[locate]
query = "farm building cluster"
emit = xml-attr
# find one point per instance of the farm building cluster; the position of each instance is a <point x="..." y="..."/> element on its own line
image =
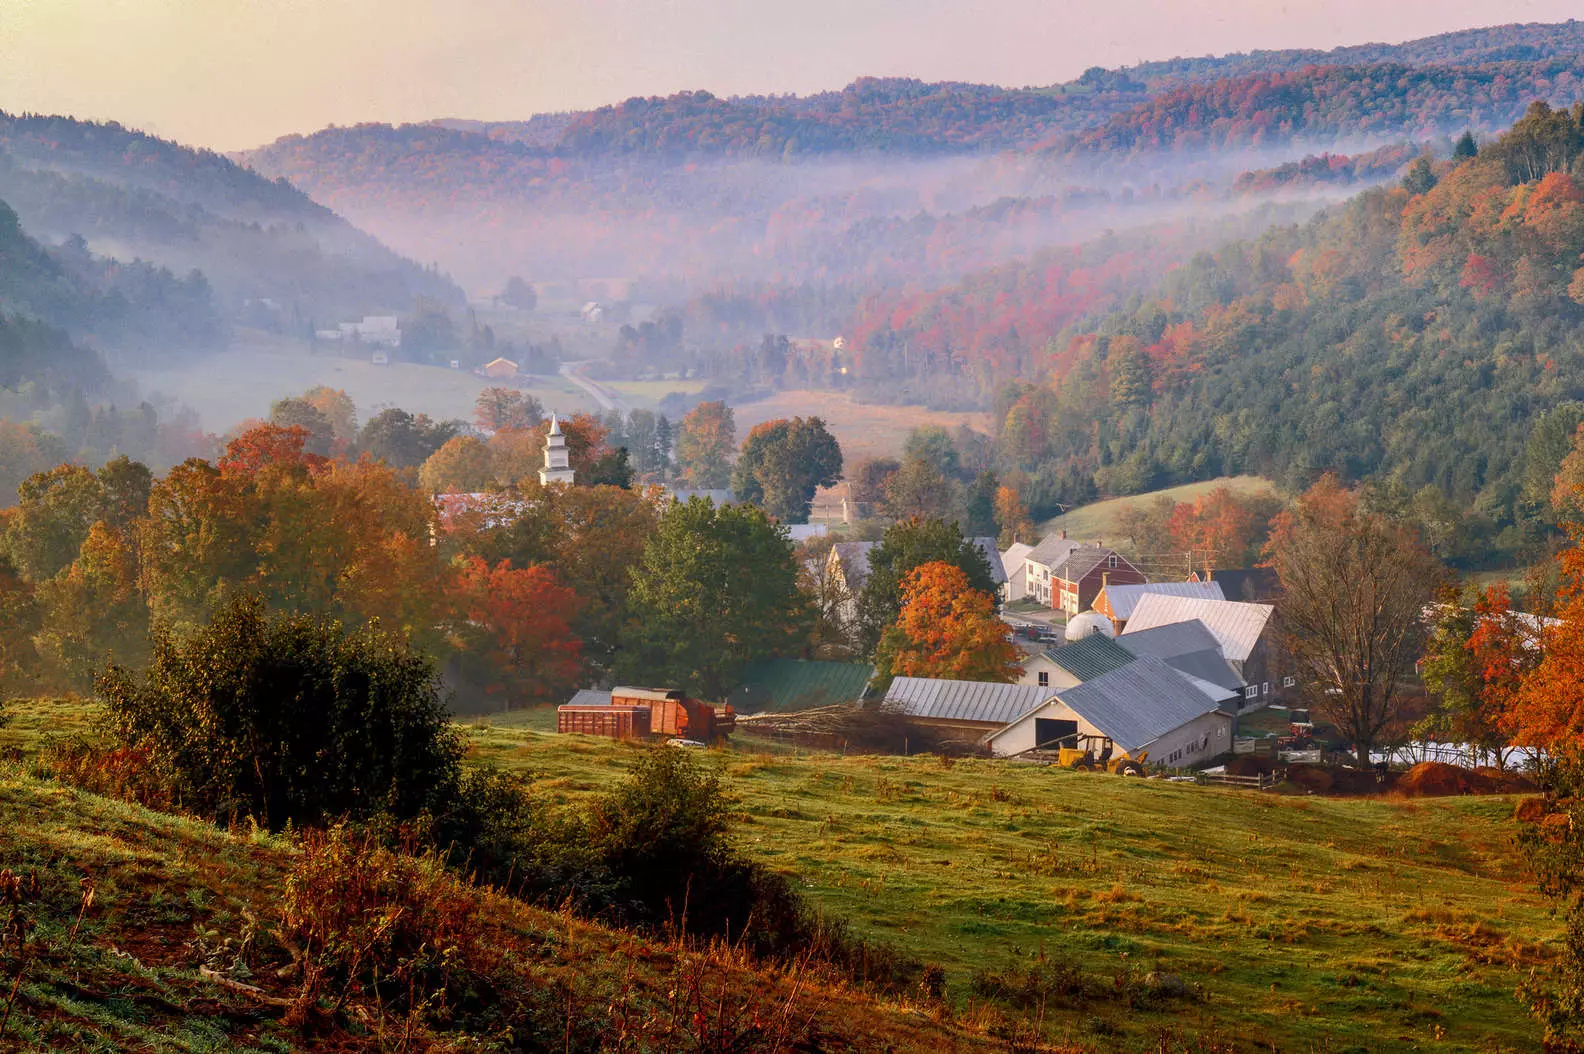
<point x="1141" y="672"/>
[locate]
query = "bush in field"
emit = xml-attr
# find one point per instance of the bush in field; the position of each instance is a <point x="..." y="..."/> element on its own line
<point x="288" y="720"/>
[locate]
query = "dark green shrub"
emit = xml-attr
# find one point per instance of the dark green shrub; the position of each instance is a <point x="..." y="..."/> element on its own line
<point x="288" y="719"/>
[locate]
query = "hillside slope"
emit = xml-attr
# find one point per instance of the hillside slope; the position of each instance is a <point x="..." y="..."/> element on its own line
<point x="173" y="953"/>
<point x="272" y="256"/>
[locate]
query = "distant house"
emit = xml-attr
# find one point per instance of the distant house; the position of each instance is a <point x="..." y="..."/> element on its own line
<point x="1244" y="632"/>
<point x="1116" y="601"/>
<point x="1145" y="707"/>
<point x="592" y="311"/>
<point x="499" y="369"/>
<point x="1041" y="561"/>
<point x="783" y="686"/>
<point x="967" y="710"/>
<point x="1251" y="585"/>
<point x="1074" y="663"/>
<point x="1077" y="580"/>
<point x="380" y="358"/>
<point x="1014" y="564"/>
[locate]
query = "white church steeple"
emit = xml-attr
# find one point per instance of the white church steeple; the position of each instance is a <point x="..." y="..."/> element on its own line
<point x="557" y="466"/>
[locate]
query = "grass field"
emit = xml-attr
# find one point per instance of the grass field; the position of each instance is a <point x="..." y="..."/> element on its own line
<point x="1310" y="923"/>
<point x="862" y="429"/>
<point x="240" y="383"/>
<point x="1099" y="520"/>
<point x="647" y="394"/>
<point x="1304" y="924"/>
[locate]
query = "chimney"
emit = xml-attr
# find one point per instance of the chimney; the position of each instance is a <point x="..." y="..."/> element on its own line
<point x="1105" y="579"/>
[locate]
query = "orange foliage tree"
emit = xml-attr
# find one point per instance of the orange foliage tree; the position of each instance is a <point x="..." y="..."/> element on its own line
<point x="947" y="629"/>
<point x="519" y="619"/>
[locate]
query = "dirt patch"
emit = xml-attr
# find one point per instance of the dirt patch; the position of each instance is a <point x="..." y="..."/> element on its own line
<point x="1508" y="782"/>
<point x="1437" y="779"/>
<point x="1250" y="766"/>
<point x="1312" y="778"/>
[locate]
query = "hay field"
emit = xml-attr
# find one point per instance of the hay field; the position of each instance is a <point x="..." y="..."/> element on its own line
<point x="862" y="429"/>
<point x="242" y="382"/>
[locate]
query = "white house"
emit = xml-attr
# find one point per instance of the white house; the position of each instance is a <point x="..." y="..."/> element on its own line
<point x="1014" y="563"/>
<point x="1145" y="708"/>
<point x="1050" y="553"/>
<point x="1074" y="662"/>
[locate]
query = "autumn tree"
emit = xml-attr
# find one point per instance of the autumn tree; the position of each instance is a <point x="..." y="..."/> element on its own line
<point x="904" y="546"/>
<point x="717" y="589"/>
<point x="869" y="479"/>
<point x="403" y="440"/>
<point x="462" y="465"/>
<point x="518" y="621"/>
<point x="1354" y="590"/>
<point x="1476" y="657"/>
<point x="300" y="413"/>
<point x="497" y="409"/>
<point x="1012" y="518"/>
<point x="705" y="444"/>
<point x="783" y="463"/>
<point x="919" y="489"/>
<point x="337" y="408"/>
<point x="92" y="612"/>
<point x="56" y="509"/>
<point x="19" y="620"/>
<point x="946" y="628"/>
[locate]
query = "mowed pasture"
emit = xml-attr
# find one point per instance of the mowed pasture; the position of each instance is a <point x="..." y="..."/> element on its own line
<point x="240" y="384"/>
<point x="1306" y="923"/>
<point x="1298" y="924"/>
<point x="862" y="429"/>
<point x="1101" y="519"/>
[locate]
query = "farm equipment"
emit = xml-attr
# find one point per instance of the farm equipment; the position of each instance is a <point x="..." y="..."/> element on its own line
<point x="1097" y="753"/>
<point x="672" y="713"/>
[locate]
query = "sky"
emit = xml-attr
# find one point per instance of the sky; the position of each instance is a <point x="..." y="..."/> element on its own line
<point x="232" y="74"/>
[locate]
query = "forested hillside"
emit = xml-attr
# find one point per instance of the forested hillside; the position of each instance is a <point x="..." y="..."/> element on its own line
<point x="267" y="254"/>
<point x="1416" y="334"/>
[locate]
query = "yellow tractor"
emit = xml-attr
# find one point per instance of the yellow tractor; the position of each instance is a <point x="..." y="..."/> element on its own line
<point x="1091" y="753"/>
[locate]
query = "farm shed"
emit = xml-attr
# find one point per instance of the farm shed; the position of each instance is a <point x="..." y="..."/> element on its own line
<point x="1187" y="647"/>
<point x="785" y="686"/>
<point x="968" y="708"/>
<point x="1116" y="601"/>
<point x="1146" y="708"/>
<point x="1245" y="632"/>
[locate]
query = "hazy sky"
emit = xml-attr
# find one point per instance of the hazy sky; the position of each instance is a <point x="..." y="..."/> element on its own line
<point x="238" y="73"/>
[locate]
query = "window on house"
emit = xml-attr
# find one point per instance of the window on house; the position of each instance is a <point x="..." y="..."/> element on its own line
<point x="1251" y="692"/>
<point x="1288" y="682"/>
<point x="1111" y="561"/>
<point x="1044" y="679"/>
<point x="1265" y="688"/>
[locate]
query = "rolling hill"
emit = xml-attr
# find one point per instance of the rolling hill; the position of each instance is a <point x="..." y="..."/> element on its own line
<point x="268" y="254"/>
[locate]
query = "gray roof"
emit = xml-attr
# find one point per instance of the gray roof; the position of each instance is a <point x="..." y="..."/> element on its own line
<point x="1090" y="657"/>
<point x="1236" y="626"/>
<point x="1083" y="560"/>
<point x="1187" y="647"/>
<point x="992" y="556"/>
<point x="1052" y="550"/>
<point x="589" y="697"/>
<point x="802" y="532"/>
<point x="978" y="701"/>
<point x="1138" y="703"/>
<point x="1123" y="598"/>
